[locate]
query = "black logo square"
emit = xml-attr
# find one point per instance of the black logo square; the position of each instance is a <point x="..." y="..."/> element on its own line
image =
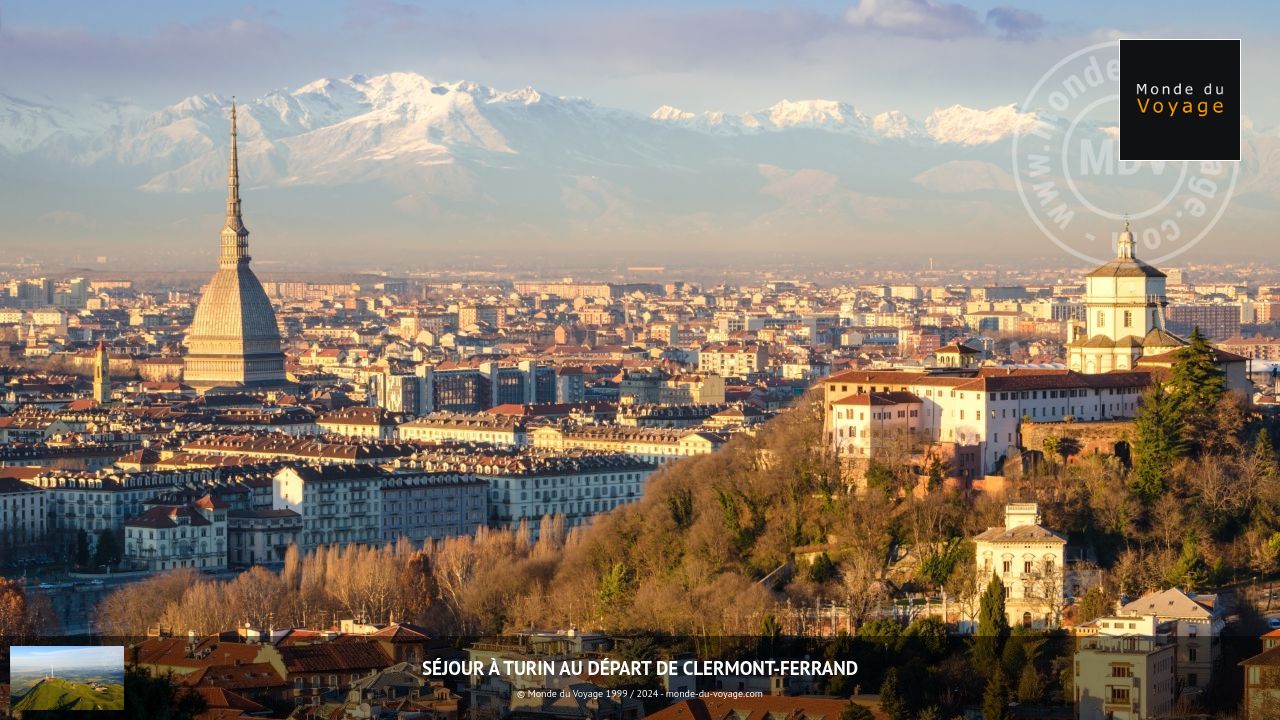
<point x="1179" y="99"/>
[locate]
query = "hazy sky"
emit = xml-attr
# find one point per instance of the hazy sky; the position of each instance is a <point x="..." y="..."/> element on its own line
<point x="61" y="656"/>
<point x="910" y="55"/>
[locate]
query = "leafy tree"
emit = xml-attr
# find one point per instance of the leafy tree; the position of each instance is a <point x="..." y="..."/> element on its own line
<point x="993" y="625"/>
<point x="1159" y="427"/>
<point x="82" y="548"/>
<point x="854" y="711"/>
<point x="108" y="551"/>
<point x="1190" y="571"/>
<point x="995" y="699"/>
<point x="1195" y="376"/>
<point x="156" y="697"/>
<point x="928" y="634"/>
<point x="893" y="700"/>
<point x="822" y="569"/>
<point x="1198" y="384"/>
<point x="615" y="587"/>
<point x="1030" y="687"/>
<point x="1095" y="603"/>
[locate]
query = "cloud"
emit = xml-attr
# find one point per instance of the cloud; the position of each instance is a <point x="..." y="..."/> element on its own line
<point x="1013" y="23"/>
<point x="917" y="18"/>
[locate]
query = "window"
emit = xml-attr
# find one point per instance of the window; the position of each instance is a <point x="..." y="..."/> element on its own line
<point x="1119" y="694"/>
<point x="1102" y="317"/>
<point x="1122" y="671"/>
<point x="1128" y="318"/>
<point x="1008" y="565"/>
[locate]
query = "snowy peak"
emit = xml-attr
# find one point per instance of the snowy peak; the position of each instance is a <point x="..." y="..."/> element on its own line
<point x="968" y="126"/>
<point x="954" y="125"/>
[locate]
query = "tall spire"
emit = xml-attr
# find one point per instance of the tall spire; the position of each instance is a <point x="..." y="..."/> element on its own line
<point x="235" y="236"/>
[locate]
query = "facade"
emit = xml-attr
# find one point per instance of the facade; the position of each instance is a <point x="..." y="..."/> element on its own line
<point x="1124" y="314"/>
<point x="422" y="506"/>
<point x="1125" y="671"/>
<point x="257" y="536"/>
<point x="733" y="359"/>
<point x="975" y="414"/>
<point x="234" y="340"/>
<point x="1197" y="623"/>
<point x="1029" y="560"/>
<point x="339" y="504"/>
<point x="167" y="536"/>
<point x="359" y="422"/>
<point x="23" y="516"/>
<point x="1262" y="680"/>
<point x="576" y="487"/>
<point x="506" y="430"/>
<point x="649" y="444"/>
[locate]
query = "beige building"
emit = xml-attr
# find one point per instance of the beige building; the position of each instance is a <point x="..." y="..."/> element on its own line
<point x="649" y="444"/>
<point x="1197" y="622"/>
<point x="1125" y="671"/>
<point x="1029" y="560"/>
<point x="508" y="430"/>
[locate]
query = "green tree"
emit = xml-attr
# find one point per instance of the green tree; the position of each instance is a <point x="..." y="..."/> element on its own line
<point x="854" y="711"/>
<point x="893" y="701"/>
<point x="993" y="626"/>
<point x="1095" y="603"/>
<point x="82" y="548"/>
<point x="822" y="569"/>
<point x="995" y="699"/>
<point x="158" y="698"/>
<point x="1159" y="427"/>
<point x="1030" y="687"/>
<point x="1190" y="571"/>
<point x="1198" y="384"/>
<point x="108" y="551"/>
<point x="615" y="588"/>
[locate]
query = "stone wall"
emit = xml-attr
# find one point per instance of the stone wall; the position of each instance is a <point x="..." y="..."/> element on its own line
<point x="1111" y="437"/>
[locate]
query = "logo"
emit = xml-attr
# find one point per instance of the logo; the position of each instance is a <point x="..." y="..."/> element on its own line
<point x="1071" y="180"/>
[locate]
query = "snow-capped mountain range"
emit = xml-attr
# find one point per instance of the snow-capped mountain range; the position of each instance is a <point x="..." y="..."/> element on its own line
<point x="357" y="128"/>
<point x="441" y="160"/>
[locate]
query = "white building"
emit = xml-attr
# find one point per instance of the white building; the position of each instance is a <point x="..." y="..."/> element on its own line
<point x="339" y="504"/>
<point x="975" y="413"/>
<point x="1028" y="559"/>
<point x="1125" y="671"/>
<point x="579" y="486"/>
<point x="190" y="535"/>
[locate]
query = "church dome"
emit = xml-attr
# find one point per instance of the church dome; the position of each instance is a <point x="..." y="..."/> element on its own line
<point x="1125" y="263"/>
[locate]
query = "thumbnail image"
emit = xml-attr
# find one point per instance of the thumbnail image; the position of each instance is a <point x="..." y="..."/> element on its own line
<point x="66" y="677"/>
